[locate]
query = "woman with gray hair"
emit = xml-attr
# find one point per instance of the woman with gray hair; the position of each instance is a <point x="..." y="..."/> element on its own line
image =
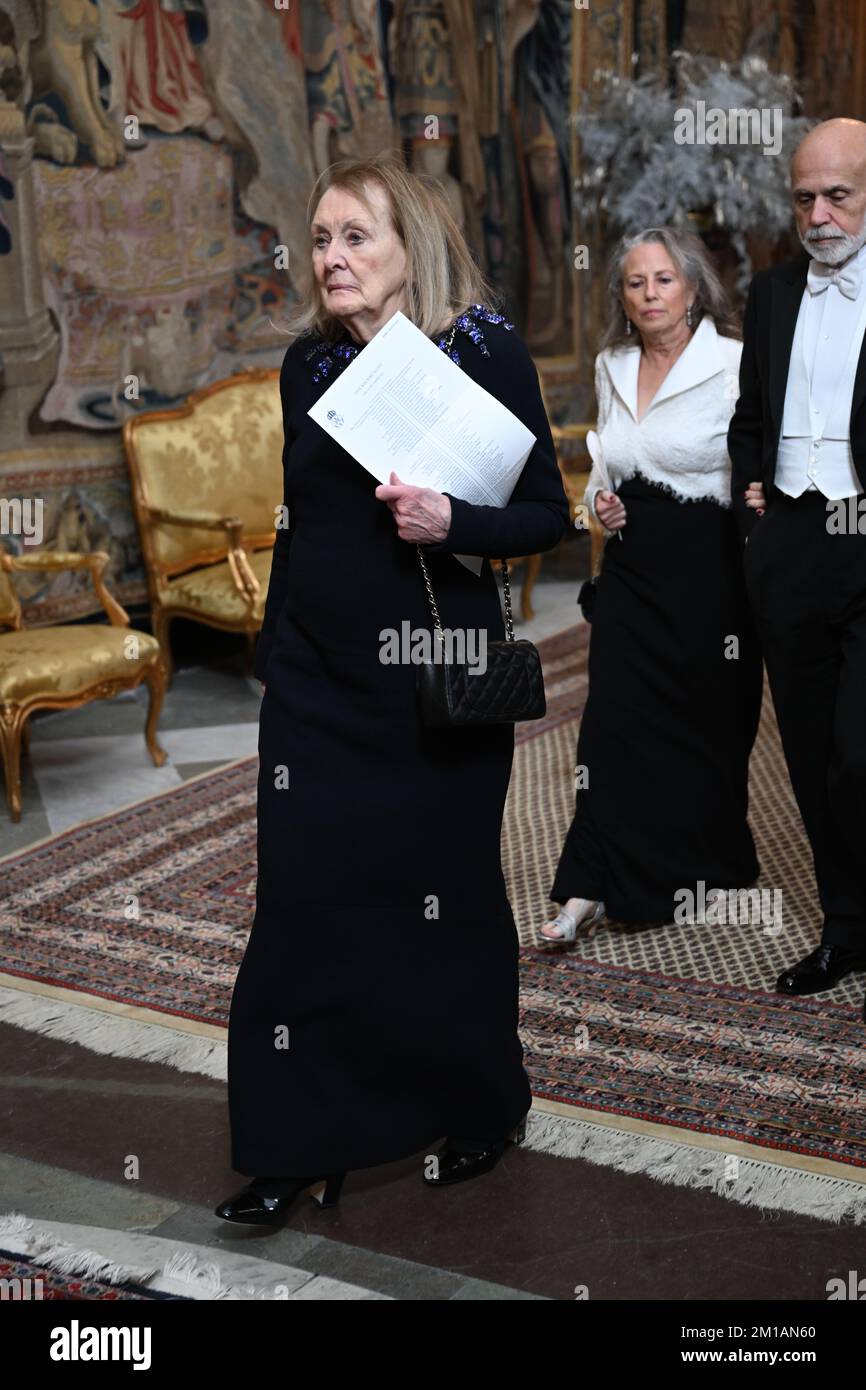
<point x="376" y="1006"/>
<point x="675" y="675"/>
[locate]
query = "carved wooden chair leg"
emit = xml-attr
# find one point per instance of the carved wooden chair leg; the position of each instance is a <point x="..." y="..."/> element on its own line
<point x="155" y="678"/>
<point x="161" y="625"/>
<point x="531" y="567"/>
<point x="10" y="752"/>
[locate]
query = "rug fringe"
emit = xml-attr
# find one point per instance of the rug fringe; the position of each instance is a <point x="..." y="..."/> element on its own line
<point x="112" y="1035"/>
<point x="46" y="1249"/>
<point x="204" y="1277"/>
<point x="34" y="1242"/>
<point x="756" y="1183"/>
<point x="189" y="1273"/>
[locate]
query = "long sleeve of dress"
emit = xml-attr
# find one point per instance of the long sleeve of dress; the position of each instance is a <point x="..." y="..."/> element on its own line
<point x="536" y="516"/>
<point x="278" y="583"/>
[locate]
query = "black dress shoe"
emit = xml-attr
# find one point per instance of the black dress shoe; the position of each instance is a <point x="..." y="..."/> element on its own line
<point x="267" y="1201"/>
<point x="458" y="1165"/>
<point x="823" y="969"/>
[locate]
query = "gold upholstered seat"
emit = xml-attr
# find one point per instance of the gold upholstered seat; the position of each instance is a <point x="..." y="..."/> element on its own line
<point x="67" y="665"/>
<point x="206" y="479"/>
<point x="212" y="589"/>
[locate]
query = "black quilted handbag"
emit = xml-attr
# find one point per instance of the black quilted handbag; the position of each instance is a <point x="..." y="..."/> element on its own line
<point x="511" y="688"/>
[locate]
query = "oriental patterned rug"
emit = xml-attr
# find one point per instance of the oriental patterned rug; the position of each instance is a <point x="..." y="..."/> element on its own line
<point x="661" y="1050"/>
<point x="32" y="1281"/>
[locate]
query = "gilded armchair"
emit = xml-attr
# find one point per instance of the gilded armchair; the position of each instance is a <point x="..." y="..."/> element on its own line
<point x="69" y="664"/>
<point x="206" y="479"/>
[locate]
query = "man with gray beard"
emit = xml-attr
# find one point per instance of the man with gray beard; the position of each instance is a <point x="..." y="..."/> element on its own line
<point x="797" y="442"/>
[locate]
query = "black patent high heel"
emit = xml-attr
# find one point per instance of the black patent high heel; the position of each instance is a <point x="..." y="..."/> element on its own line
<point x="267" y="1201"/>
<point x="454" y="1165"/>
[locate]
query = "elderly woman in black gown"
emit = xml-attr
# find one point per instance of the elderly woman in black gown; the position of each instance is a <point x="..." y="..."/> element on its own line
<point x="376" y="1006"/>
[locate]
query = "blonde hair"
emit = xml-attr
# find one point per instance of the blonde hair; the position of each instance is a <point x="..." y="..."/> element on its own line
<point x="442" y="279"/>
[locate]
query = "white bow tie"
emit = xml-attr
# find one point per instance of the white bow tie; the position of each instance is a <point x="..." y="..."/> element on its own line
<point x="846" y="278"/>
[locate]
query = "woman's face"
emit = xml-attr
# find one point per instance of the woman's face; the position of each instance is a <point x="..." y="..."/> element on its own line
<point x="654" y="294"/>
<point x="358" y="259"/>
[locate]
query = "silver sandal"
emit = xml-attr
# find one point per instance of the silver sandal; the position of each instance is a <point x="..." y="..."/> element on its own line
<point x="568" y="923"/>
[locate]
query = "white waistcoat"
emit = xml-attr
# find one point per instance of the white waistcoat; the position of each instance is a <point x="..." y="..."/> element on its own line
<point x="799" y="417"/>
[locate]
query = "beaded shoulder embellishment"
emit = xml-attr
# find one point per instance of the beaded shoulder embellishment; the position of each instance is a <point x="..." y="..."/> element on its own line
<point x="329" y="359"/>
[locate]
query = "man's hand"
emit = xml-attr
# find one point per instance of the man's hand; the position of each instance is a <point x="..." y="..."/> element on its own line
<point x="422" y="515"/>
<point x="755" y="498"/>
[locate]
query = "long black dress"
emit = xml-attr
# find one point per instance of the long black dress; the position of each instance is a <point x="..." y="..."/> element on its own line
<point x="383" y="948"/>
<point x="669" y="721"/>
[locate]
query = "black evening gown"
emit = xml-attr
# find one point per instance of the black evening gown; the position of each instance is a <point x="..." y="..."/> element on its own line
<point x="376" y="1006"/>
<point x="670" y="718"/>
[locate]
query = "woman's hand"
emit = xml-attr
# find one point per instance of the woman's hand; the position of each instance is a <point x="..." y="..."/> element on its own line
<point x="422" y="515"/>
<point x="610" y="510"/>
<point x="755" y="497"/>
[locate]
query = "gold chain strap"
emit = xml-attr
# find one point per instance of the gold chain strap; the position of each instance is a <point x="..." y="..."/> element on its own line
<point x="506" y="585"/>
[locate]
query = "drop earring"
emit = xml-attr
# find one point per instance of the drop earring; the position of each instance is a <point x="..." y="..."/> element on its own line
<point x="689" y="316"/>
<point x="627" y="324"/>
